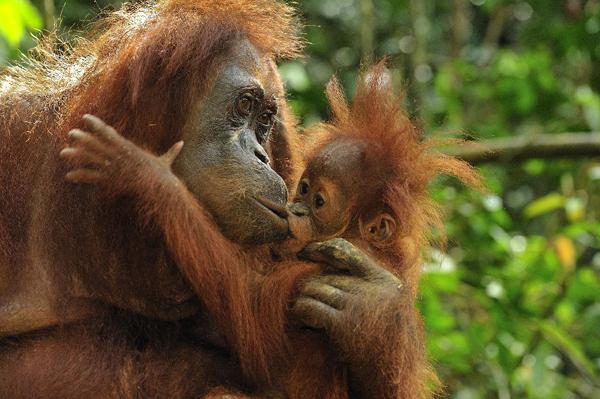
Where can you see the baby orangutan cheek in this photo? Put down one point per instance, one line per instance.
(301, 234)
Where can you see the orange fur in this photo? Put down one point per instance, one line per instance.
(160, 59)
(398, 166)
(248, 295)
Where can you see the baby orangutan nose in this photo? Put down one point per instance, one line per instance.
(301, 231)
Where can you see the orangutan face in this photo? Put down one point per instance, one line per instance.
(224, 162)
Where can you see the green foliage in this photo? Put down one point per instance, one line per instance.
(18, 17)
(512, 305)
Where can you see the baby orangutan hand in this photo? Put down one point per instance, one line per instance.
(99, 155)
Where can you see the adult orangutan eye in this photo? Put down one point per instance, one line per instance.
(244, 104)
(266, 118)
(319, 201)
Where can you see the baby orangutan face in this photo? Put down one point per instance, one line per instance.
(332, 192)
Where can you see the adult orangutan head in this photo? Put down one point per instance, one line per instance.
(203, 72)
(224, 161)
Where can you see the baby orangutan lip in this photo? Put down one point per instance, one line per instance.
(274, 207)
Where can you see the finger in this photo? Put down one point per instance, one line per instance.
(313, 313)
(172, 153)
(314, 252)
(78, 156)
(346, 284)
(103, 130)
(342, 255)
(325, 293)
(94, 124)
(87, 141)
(85, 176)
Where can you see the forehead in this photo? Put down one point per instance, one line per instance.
(244, 66)
(341, 161)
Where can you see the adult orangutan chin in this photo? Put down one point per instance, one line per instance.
(91, 302)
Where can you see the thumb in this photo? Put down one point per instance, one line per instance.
(170, 156)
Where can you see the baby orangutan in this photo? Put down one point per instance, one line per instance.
(365, 185)
(341, 195)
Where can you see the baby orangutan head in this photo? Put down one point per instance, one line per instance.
(340, 194)
(367, 172)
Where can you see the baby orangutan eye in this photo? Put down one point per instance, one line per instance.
(303, 187)
(244, 104)
(319, 201)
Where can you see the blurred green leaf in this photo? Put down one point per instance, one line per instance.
(18, 16)
(545, 204)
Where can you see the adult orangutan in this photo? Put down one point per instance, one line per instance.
(71, 256)
(365, 181)
(92, 303)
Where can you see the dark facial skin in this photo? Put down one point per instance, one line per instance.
(224, 162)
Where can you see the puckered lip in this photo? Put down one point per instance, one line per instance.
(278, 209)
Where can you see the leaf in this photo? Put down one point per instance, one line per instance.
(560, 339)
(17, 17)
(575, 209)
(565, 251)
(545, 204)
(12, 27)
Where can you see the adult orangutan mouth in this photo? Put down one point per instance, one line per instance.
(273, 207)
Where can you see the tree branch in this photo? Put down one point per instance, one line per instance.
(522, 148)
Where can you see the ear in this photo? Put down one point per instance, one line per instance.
(380, 231)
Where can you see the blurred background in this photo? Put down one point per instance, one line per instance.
(512, 304)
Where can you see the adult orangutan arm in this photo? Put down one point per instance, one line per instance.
(370, 319)
(214, 266)
(101, 156)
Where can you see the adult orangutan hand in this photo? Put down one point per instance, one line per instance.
(362, 311)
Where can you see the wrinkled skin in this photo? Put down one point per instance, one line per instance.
(342, 306)
(225, 147)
